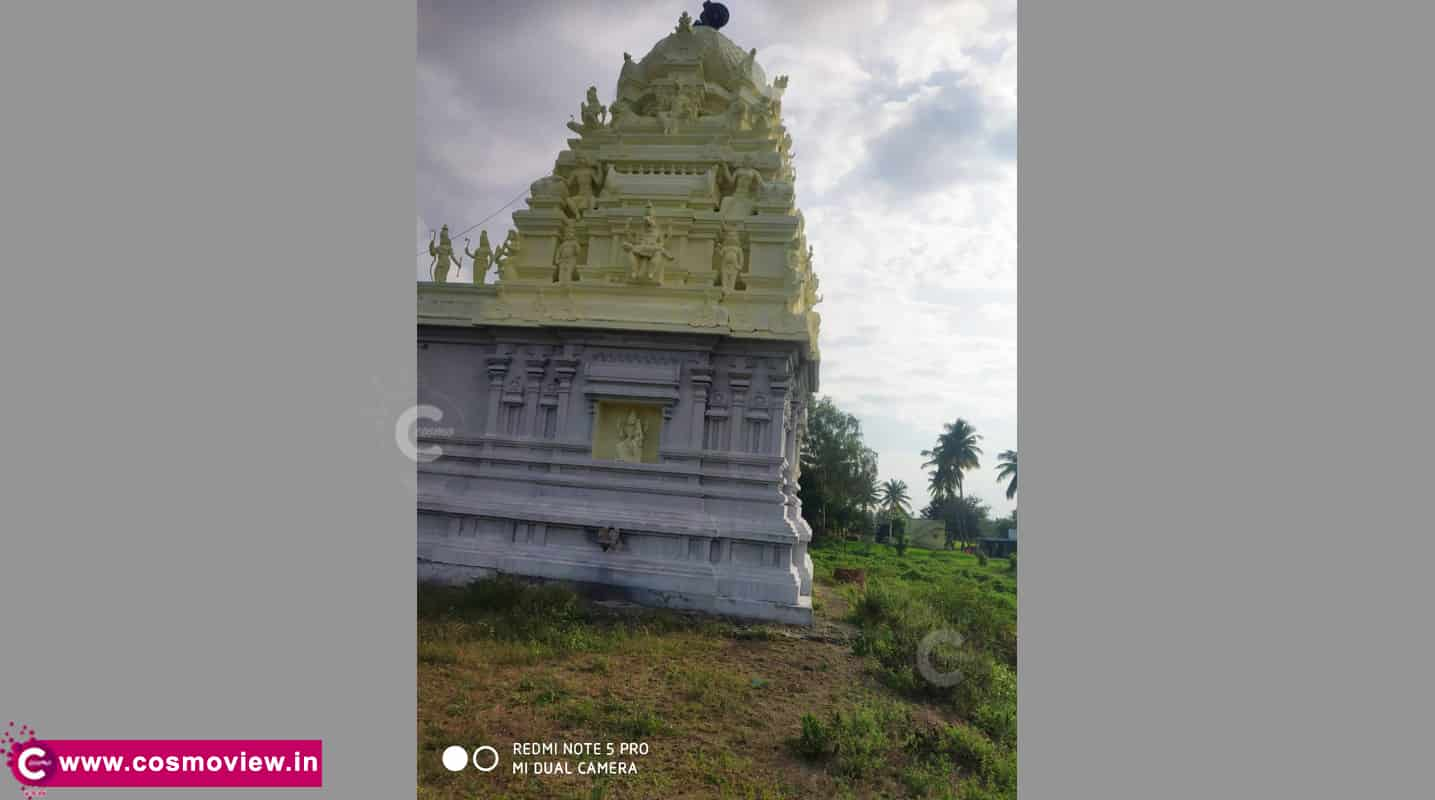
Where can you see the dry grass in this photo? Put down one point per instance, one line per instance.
(720, 705)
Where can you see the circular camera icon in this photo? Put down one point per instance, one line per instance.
(456, 758)
(480, 767)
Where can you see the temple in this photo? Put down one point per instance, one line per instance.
(624, 404)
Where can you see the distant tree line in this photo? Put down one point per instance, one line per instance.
(843, 497)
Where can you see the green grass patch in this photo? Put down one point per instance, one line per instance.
(967, 607)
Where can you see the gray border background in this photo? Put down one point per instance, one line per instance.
(207, 318)
(1225, 399)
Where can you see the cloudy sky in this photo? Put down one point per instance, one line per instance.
(903, 119)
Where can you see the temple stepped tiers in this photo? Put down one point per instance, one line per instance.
(623, 405)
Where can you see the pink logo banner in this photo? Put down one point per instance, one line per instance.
(166, 763)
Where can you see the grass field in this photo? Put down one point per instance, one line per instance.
(730, 709)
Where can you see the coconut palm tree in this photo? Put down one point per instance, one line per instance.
(1006, 471)
(956, 452)
(894, 498)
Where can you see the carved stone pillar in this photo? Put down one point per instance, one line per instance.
(799, 433)
(779, 385)
(497, 367)
(666, 434)
(535, 365)
(701, 376)
(564, 369)
(739, 381)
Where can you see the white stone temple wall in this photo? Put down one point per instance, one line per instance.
(712, 525)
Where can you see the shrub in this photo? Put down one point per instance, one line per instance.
(968, 748)
(893, 619)
(982, 558)
(858, 740)
(814, 742)
(996, 715)
(1011, 563)
(994, 766)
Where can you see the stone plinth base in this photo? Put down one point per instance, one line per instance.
(799, 614)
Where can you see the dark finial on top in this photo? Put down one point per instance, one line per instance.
(714, 15)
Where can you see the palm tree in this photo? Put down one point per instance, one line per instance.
(1006, 471)
(956, 452)
(894, 498)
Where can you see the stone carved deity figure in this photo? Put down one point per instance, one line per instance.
(622, 115)
(482, 257)
(629, 72)
(732, 259)
(810, 297)
(586, 179)
(683, 111)
(764, 114)
(735, 117)
(631, 432)
(566, 255)
(592, 112)
(647, 250)
(506, 258)
(796, 279)
(443, 256)
(741, 185)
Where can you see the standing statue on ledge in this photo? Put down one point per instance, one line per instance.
(630, 439)
(647, 250)
(443, 256)
(506, 259)
(593, 114)
(566, 256)
(731, 259)
(482, 257)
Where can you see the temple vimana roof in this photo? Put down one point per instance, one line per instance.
(672, 208)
